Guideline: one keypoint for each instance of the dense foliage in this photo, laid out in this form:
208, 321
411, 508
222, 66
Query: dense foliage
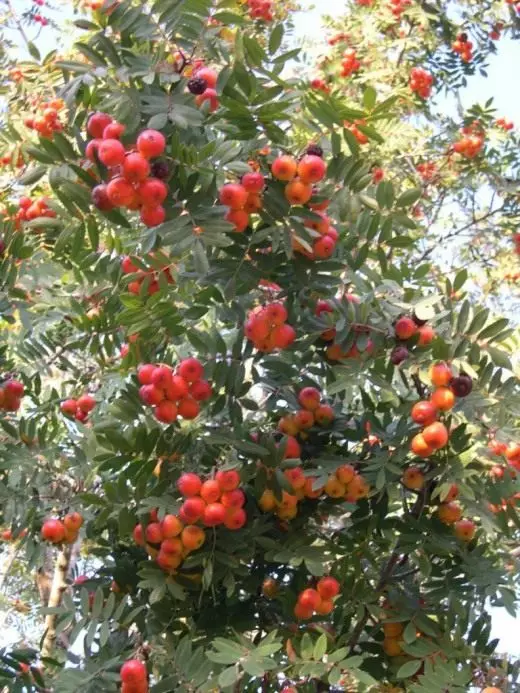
254, 435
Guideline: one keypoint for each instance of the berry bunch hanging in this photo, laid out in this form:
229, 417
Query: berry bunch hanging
267, 328
78, 409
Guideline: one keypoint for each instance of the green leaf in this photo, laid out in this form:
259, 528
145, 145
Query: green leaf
320, 647
276, 38
228, 677
369, 98
409, 669
409, 197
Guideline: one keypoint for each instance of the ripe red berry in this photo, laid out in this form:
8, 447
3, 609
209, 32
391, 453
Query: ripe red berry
151, 395
283, 336
135, 168
405, 328
69, 407
120, 192
188, 408
152, 216
113, 131
311, 169
166, 412
201, 390
111, 152
133, 671
309, 598
189, 484
97, 124
86, 403
209, 75
53, 531
91, 150
324, 247
328, 587
176, 389
239, 218
14, 388
253, 182
233, 195
100, 199
190, 369
227, 479
235, 518
151, 143
152, 192
192, 509
144, 373
214, 514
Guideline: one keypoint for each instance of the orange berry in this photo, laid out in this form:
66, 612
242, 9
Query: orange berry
449, 513
284, 168
413, 478
440, 374
443, 399
420, 447
298, 193
424, 413
436, 435
311, 169
345, 473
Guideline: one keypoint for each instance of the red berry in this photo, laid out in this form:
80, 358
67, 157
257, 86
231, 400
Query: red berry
228, 480
151, 143
191, 370
113, 131
53, 531
166, 412
201, 390
69, 407
14, 388
214, 514
405, 328
177, 388
153, 216
100, 199
328, 587
86, 403
188, 408
133, 671
189, 484
135, 168
144, 373
97, 124
120, 192
153, 192
151, 395
111, 152
253, 182
209, 75
233, 195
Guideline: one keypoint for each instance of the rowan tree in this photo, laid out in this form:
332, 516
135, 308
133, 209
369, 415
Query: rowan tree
255, 437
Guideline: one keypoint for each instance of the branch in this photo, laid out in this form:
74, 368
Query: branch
58, 587
18, 23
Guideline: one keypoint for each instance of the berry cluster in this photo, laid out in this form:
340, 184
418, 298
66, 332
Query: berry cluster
319, 600
324, 242
463, 47
511, 452
421, 82
406, 328
243, 199
215, 501
30, 209
131, 183
505, 124
134, 676
267, 328
346, 483
313, 412
78, 409
397, 7
261, 9
48, 121
349, 63
134, 287
11, 393
472, 141
57, 531
299, 176
425, 413
203, 84
320, 85
171, 392
428, 171
449, 512
168, 541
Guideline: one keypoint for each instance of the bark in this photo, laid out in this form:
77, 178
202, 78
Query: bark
58, 587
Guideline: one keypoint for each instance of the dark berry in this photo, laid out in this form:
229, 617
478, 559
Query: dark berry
197, 85
463, 37
100, 198
2, 247
461, 386
160, 170
314, 150
398, 355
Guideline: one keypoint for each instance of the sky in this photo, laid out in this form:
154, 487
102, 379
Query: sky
498, 85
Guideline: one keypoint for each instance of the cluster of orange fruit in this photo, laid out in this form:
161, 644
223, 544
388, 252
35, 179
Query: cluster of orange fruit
349, 63
345, 483
449, 512
317, 600
168, 541
30, 209
243, 199
57, 531
421, 82
299, 176
134, 287
472, 141
463, 47
267, 328
435, 434
312, 412
48, 121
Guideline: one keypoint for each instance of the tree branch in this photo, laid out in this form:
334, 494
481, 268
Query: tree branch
58, 587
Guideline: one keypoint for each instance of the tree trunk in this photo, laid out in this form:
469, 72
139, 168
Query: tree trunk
58, 587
